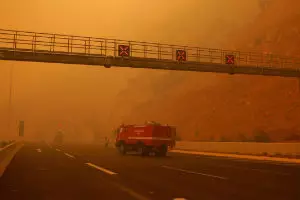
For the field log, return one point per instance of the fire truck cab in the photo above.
(150, 137)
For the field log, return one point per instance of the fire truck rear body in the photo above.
(157, 138)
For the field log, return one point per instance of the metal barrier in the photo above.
(250, 148)
(24, 41)
(7, 145)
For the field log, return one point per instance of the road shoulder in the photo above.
(236, 156)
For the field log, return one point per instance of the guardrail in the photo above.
(6, 148)
(5, 143)
(248, 148)
(7, 153)
(25, 41)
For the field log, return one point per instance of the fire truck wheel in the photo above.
(142, 150)
(122, 149)
(146, 152)
(162, 151)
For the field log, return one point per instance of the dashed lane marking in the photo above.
(192, 172)
(39, 150)
(101, 169)
(58, 150)
(179, 199)
(69, 155)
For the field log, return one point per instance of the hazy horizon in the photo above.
(86, 100)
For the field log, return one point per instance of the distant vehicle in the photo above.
(144, 139)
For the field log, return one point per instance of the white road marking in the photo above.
(251, 169)
(57, 149)
(286, 164)
(255, 169)
(39, 150)
(101, 169)
(130, 192)
(69, 155)
(192, 172)
(179, 199)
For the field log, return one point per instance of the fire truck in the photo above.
(144, 139)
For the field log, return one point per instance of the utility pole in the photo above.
(10, 98)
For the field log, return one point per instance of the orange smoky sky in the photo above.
(81, 99)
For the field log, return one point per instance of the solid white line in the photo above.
(252, 169)
(101, 169)
(130, 192)
(39, 150)
(191, 172)
(179, 199)
(255, 169)
(57, 150)
(69, 155)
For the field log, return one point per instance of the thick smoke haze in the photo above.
(213, 106)
(87, 102)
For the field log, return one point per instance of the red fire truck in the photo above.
(150, 137)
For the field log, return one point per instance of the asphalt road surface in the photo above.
(83, 172)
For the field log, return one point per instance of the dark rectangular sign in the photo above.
(124, 50)
(180, 55)
(229, 59)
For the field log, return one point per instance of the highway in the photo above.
(44, 172)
